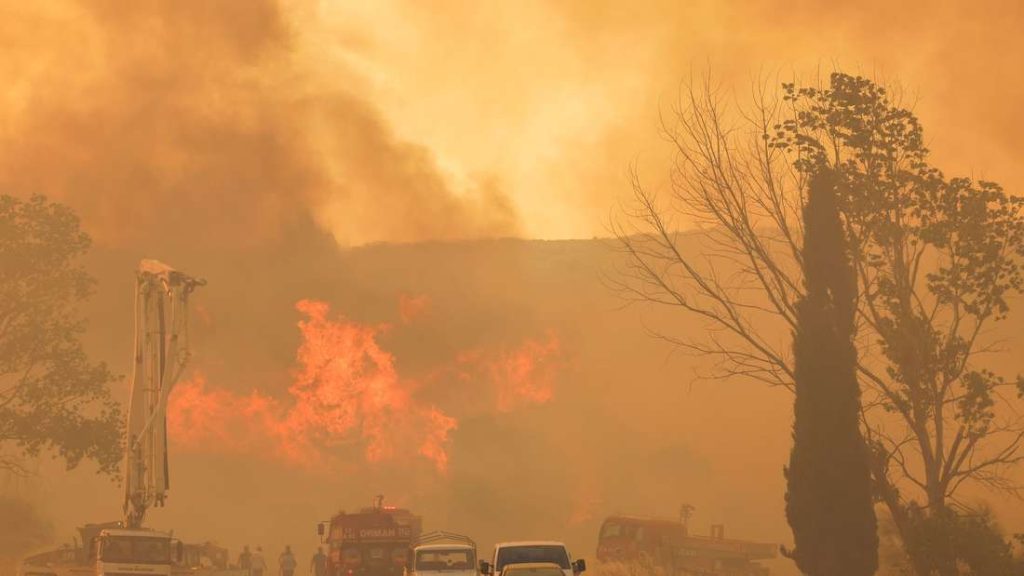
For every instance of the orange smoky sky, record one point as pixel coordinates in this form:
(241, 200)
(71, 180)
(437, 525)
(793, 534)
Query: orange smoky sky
(404, 121)
(245, 141)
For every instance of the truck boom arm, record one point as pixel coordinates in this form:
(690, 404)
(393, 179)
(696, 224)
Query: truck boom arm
(161, 353)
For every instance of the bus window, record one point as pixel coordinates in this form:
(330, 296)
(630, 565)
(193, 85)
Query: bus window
(611, 530)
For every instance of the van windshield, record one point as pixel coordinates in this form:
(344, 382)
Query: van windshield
(455, 559)
(532, 554)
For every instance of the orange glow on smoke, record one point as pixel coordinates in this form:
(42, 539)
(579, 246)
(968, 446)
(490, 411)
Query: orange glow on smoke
(346, 388)
(412, 307)
(522, 376)
(198, 417)
(585, 500)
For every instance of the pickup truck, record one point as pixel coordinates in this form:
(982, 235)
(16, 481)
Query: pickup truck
(532, 553)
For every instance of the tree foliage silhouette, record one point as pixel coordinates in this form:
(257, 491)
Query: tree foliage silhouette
(52, 398)
(950, 542)
(936, 260)
(829, 503)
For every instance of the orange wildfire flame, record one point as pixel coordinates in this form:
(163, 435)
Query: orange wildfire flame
(347, 389)
(522, 376)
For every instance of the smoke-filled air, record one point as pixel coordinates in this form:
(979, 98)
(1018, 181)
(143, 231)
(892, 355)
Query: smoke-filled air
(540, 288)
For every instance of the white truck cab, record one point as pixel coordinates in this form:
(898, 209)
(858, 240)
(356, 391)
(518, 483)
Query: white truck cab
(442, 554)
(532, 552)
(108, 550)
(133, 551)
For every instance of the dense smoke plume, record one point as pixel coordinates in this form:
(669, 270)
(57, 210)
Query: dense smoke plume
(227, 121)
(205, 122)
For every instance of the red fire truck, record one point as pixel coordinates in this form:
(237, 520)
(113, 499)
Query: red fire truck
(668, 546)
(372, 542)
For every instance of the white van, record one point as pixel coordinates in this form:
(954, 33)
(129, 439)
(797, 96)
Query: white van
(442, 554)
(532, 553)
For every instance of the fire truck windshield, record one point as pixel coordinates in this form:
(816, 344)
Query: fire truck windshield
(135, 550)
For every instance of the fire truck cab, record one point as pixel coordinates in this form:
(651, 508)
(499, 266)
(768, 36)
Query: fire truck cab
(372, 542)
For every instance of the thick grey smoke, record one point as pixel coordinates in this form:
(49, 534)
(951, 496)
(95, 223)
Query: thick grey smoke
(202, 123)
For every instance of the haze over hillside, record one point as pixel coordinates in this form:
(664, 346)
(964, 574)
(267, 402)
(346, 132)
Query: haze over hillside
(623, 413)
(627, 428)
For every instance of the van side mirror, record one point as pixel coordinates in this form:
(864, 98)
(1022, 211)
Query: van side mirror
(485, 568)
(579, 566)
(320, 529)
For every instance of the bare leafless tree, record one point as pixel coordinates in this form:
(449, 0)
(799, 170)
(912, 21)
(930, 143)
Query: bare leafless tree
(936, 260)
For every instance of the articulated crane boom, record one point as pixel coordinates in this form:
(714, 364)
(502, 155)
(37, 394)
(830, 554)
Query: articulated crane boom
(161, 353)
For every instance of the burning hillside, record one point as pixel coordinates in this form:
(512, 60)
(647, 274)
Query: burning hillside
(347, 390)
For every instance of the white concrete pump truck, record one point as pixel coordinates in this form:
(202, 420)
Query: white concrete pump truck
(160, 356)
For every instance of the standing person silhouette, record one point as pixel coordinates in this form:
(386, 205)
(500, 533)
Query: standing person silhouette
(318, 565)
(245, 560)
(286, 562)
(259, 563)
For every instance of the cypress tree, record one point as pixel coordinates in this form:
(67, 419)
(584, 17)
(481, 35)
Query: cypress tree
(828, 500)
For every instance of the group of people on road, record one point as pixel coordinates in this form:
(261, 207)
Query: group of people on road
(256, 564)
